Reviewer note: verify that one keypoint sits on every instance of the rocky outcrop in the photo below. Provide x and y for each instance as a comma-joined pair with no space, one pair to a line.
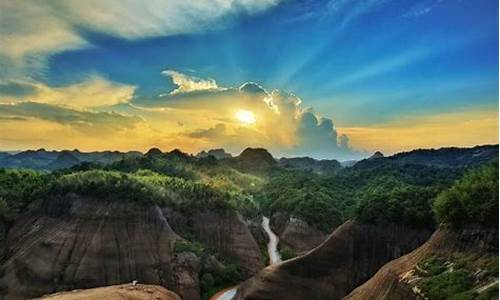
228,233
186,267
392,281
350,256
300,237
83,243
117,292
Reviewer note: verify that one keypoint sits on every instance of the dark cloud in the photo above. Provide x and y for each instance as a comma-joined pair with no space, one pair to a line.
211,133
67,116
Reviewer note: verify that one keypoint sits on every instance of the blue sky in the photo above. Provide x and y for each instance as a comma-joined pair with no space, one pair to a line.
388,57
364,64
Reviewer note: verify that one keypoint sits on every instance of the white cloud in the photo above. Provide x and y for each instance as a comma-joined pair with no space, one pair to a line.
31,30
282,124
93,92
186,83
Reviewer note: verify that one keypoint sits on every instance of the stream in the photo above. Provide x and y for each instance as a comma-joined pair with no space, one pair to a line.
274,257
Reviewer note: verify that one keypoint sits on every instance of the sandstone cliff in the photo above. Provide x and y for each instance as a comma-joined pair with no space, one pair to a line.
350,256
397,279
81,243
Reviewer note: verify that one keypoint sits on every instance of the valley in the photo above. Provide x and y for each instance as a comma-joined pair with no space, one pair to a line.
206,227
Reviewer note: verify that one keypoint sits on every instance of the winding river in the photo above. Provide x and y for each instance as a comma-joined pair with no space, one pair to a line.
274,257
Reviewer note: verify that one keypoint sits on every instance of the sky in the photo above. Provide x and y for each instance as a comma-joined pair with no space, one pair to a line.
328,79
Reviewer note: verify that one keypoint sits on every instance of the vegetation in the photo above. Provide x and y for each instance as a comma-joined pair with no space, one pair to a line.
229,276
287,253
188,246
454,278
471,200
19,189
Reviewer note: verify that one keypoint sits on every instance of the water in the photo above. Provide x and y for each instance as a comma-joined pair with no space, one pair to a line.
272,250
272,245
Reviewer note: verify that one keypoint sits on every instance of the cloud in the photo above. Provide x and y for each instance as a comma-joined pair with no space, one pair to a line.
217,131
31,30
282,124
422,8
70,117
186,83
93,92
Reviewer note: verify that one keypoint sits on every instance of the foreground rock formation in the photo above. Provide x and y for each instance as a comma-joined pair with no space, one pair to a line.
350,256
75,242
396,280
117,292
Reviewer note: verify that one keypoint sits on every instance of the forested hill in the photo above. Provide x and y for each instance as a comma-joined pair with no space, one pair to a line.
251,159
443,157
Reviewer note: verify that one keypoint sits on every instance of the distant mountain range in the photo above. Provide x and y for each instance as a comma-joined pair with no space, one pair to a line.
253,159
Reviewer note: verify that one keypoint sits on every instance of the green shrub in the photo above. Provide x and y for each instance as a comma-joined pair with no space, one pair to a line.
287,253
447,284
472,199
188,246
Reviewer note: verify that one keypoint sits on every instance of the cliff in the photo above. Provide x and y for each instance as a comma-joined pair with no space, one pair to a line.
400,278
75,242
350,256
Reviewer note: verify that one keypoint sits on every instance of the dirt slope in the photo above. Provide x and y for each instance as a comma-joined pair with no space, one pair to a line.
351,255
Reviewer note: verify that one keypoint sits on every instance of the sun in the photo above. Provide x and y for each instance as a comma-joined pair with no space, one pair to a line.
245,116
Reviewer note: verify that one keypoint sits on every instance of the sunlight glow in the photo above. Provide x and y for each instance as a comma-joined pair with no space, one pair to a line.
245,116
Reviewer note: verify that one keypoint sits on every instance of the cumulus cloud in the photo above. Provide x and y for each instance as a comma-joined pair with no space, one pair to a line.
282,123
31,30
186,83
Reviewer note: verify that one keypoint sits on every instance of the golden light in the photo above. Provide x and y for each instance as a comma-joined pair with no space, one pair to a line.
245,116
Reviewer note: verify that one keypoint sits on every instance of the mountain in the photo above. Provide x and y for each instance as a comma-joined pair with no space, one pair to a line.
216,153
64,160
452,157
376,155
253,160
42,159
309,164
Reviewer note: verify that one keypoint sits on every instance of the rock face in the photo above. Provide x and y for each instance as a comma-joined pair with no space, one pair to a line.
229,234
117,292
350,256
300,237
390,283
83,243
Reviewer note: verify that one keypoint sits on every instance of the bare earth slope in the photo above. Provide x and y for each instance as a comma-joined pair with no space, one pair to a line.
117,292
392,282
351,255
85,243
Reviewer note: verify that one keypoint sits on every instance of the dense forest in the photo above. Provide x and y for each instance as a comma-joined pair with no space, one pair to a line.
406,190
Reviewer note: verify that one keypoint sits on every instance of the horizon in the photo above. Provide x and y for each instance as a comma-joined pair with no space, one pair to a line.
236,154
326,79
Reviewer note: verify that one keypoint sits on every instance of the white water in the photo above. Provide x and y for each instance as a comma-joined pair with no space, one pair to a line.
228,295
272,245
272,250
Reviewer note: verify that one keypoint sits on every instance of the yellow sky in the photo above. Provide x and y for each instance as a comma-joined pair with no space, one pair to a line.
447,129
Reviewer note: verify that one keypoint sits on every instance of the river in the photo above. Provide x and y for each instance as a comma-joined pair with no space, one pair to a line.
274,257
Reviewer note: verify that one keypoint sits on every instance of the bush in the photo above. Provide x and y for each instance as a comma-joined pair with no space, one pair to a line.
472,199
188,246
287,253
447,284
